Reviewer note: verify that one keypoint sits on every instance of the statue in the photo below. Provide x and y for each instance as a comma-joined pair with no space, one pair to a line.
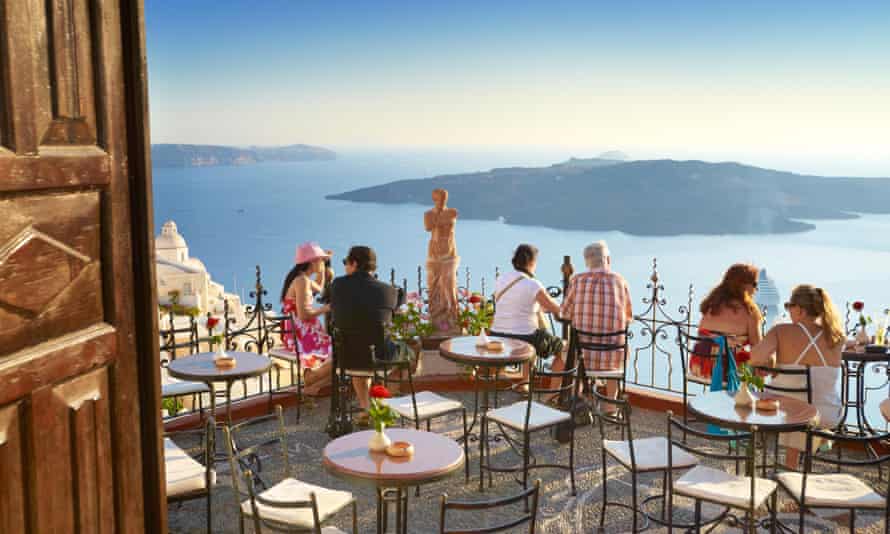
441,265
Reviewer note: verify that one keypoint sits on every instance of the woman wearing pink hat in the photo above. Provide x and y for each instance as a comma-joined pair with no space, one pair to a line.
304,333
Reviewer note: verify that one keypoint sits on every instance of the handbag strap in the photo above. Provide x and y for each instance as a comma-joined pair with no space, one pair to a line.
500,294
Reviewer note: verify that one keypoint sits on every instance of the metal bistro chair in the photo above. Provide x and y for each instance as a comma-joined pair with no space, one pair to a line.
348,341
292,359
811,490
601,342
174,388
806,389
417,407
530,516
638,456
708,484
530,415
289,505
187,478
688,344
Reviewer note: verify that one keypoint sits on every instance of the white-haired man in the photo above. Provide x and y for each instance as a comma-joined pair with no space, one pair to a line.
598,301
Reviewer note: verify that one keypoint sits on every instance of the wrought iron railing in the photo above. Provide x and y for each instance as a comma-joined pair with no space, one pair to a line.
655,356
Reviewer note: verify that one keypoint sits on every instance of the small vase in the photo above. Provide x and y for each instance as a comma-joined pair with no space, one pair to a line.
743,396
220,351
379,441
862,337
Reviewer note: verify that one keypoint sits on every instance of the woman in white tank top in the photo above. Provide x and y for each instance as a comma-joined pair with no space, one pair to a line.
813,339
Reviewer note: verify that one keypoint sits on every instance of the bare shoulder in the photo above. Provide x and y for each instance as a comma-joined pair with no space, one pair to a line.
451,212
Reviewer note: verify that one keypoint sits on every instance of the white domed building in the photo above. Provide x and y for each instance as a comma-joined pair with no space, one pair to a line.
177,272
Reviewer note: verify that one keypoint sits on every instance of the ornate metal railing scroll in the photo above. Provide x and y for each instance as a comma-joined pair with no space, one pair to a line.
655,323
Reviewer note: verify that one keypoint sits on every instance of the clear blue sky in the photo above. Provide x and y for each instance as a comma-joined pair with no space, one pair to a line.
741,79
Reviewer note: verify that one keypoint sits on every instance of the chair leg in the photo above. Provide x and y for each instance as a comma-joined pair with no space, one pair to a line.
572,459
852,520
633,498
697,516
605,494
664,485
466,448
209,512
526,438
772,512
484,423
299,381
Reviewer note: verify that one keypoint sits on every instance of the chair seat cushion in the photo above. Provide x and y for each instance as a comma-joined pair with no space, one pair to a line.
429,405
604,373
721,487
650,454
541,416
184,473
281,353
175,389
885,409
289,490
841,490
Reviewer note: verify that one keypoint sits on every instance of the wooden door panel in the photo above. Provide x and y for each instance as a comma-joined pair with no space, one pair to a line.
13,513
74,443
70,433
50,268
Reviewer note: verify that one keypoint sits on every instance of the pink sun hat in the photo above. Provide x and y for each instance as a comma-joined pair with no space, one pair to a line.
310,251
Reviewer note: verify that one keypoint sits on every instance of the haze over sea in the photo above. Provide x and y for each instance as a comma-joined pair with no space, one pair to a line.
234,218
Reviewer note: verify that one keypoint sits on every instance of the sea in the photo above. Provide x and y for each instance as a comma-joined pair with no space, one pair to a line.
237,218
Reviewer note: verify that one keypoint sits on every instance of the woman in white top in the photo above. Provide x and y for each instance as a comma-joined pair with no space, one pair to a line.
519,299
814,338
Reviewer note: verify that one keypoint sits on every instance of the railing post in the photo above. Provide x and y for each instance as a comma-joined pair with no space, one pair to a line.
392,277
567,271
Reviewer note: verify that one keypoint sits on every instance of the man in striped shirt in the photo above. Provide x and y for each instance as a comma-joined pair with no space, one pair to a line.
598,301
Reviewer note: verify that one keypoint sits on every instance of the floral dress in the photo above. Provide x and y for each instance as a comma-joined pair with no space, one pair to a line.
305,337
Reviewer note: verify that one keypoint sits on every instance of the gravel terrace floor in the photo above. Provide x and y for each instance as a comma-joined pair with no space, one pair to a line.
560,512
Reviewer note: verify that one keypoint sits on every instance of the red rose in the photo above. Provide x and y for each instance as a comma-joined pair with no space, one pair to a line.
475,298
859,305
379,392
212,322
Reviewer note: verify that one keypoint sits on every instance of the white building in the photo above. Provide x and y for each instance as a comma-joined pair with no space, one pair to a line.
177,272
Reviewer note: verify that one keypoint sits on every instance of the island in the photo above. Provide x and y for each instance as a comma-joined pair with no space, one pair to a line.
179,155
645,197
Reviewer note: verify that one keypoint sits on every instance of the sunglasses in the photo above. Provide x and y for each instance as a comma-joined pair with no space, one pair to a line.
345,261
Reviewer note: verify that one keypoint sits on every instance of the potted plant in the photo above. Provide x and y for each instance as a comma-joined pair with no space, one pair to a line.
380,415
409,325
748,379
476,315
862,337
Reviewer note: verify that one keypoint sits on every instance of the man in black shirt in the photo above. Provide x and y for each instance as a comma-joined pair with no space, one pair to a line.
361,307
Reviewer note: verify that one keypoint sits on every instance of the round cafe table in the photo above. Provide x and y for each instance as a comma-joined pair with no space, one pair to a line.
719,407
486,364
200,368
435,457
853,367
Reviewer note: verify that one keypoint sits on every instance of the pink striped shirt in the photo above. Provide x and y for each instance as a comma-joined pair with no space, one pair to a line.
598,301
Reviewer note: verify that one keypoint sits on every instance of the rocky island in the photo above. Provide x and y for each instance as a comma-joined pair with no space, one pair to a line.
178,155
645,197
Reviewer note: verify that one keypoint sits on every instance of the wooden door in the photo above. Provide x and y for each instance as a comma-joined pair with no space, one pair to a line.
78,397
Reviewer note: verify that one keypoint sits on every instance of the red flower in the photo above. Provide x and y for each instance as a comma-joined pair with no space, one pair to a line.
859,305
212,322
475,298
379,392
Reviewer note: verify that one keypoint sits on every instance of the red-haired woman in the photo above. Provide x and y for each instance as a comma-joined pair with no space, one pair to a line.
729,310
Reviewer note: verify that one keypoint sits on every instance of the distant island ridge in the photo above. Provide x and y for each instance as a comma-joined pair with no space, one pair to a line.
184,155
644,197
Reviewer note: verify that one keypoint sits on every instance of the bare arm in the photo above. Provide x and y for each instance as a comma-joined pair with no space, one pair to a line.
428,221
763,353
754,333
630,308
568,305
547,303
303,300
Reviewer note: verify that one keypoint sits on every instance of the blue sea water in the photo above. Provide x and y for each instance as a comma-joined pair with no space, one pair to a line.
234,218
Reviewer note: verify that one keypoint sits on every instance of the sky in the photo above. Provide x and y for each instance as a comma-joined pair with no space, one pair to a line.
798,85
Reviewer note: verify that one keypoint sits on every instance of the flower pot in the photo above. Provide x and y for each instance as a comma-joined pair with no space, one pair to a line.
743,397
379,441
862,337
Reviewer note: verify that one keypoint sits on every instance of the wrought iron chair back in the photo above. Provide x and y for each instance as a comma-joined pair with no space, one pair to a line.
248,456
529,516
709,451
397,371
806,388
582,340
617,419
539,386
811,454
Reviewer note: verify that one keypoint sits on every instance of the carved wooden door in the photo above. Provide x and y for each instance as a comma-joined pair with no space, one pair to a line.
72,447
